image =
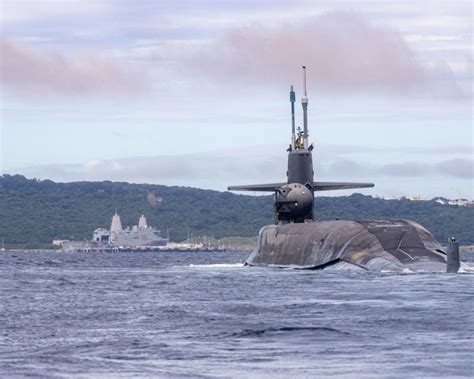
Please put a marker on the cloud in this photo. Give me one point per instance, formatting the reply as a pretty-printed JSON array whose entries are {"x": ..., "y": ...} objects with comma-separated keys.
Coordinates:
[
  {"x": 33, "y": 73},
  {"x": 342, "y": 49},
  {"x": 206, "y": 170},
  {"x": 217, "y": 170},
  {"x": 28, "y": 10},
  {"x": 459, "y": 168},
  {"x": 454, "y": 168}
]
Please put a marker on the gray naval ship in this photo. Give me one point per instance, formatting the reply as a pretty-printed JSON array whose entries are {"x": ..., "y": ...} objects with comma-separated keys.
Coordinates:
[
  {"x": 298, "y": 240},
  {"x": 137, "y": 236}
]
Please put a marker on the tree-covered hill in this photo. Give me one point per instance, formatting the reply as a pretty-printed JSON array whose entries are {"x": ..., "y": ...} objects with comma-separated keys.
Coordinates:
[{"x": 33, "y": 212}]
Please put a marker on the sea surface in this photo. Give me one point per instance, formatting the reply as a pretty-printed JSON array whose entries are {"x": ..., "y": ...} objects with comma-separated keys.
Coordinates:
[{"x": 180, "y": 315}]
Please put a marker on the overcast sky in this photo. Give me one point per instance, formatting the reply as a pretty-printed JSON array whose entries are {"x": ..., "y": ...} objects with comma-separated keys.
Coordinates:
[{"x": 196, "y": 92}]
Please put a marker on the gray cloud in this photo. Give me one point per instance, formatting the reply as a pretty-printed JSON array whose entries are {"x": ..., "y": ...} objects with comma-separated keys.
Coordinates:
[
  {"x": 459, "y": 168},
  {"x": 33, "y": 73},
  {"x": 447, "y": 150},
  {"x": 217, "y": 170},
  {"x": 406, "y": 169},
  {"x": 341, "y": 48},
  {"x": 455, "y": 168},
  {"x": 344, "y": 168},
  {"x": 206, "y": 170}
]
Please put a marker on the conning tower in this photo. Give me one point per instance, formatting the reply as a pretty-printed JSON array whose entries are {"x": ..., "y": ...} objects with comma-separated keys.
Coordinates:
[{"x": 294, "y": 199}]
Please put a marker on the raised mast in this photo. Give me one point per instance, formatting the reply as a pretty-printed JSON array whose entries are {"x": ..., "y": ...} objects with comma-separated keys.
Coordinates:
[
  {"x": 293, "y": 131},
  {"x": 304, "y": 103}
]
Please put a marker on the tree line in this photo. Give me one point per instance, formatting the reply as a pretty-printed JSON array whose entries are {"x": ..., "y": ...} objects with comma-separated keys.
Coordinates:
[{"x": 34, "y": 212}]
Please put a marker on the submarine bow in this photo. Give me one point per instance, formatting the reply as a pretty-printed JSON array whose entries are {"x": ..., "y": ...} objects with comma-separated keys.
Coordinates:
[{"x": 381, "y": 245}]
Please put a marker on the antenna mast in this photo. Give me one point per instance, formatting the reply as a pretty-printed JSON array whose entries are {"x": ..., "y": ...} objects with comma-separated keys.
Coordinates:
[
  {"x": 304, "y": 103},
  {"x": 293, "y": 132}
]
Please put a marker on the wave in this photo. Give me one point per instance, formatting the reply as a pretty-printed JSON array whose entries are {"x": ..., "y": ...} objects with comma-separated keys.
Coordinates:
[
  {"x": 466, "y": 268},
  {"x": 289, "y": 329}
]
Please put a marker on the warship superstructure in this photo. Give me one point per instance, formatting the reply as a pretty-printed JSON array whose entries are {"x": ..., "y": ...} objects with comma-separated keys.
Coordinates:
[
  {"x": 299, "y": 240},
  {"x": 138, "y": 237},
  {"x": 134, "y": 237}
]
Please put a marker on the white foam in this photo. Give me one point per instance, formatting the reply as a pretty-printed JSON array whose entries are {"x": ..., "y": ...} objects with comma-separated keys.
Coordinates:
[
  {"x": 405, "y": 270},
  {"x": 466, "y": 268},
  {"x": 218, "y": 265}
]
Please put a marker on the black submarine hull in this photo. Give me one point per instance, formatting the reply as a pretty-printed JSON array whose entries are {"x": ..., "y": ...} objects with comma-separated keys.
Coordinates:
[{"x": 375, "y": 245}]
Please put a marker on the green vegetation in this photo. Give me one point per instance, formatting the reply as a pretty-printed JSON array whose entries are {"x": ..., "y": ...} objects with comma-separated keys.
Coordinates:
[{"x": 34, "y": 212}]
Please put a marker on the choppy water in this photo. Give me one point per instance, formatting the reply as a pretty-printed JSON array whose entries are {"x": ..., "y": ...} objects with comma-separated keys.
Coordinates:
[{"x": 204, "y": 315}]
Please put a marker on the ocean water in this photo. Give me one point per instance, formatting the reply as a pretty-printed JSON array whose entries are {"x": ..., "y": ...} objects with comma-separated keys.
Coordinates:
[{"x": 179, "y": 315}]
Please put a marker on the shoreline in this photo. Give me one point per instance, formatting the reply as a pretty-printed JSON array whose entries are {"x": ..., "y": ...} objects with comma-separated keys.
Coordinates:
[
  {"x": 466, "y": 249},
  {"x": 34, "y": 251}
]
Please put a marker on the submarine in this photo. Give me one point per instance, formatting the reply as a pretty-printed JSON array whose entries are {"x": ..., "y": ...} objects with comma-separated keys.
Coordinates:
[{"x": 298, "y": 240}]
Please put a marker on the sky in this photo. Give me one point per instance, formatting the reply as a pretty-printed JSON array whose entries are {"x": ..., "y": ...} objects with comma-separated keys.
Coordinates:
[{"x": 195, "y": 93}]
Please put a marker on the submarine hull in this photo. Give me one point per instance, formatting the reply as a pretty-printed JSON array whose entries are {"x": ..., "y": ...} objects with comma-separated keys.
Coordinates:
[{"x": 376, "y": 245}]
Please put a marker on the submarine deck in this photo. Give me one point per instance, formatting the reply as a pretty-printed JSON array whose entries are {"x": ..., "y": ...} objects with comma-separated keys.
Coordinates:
[{"x": 367, "y": 244}]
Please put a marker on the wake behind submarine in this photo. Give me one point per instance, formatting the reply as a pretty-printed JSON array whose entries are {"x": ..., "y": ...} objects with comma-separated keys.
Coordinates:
[{"x": 298, "y": 240}]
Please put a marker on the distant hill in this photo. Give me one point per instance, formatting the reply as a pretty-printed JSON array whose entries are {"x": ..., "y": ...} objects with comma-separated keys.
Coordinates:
[{"x": 34, "y": 212}]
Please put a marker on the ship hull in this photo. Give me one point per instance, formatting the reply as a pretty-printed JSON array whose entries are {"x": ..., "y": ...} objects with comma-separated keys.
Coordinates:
[{"x": 375, "y": 245}]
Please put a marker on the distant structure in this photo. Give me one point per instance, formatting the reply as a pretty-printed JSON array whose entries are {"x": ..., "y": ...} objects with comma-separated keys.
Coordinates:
[
  {"x": 457, "y": 202},
  {"x": 116, "y": 223},
  {"x": 439, "y": 200},
  {"x": 142, "y": 222},
  {"x": 137, "y": 237}
]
